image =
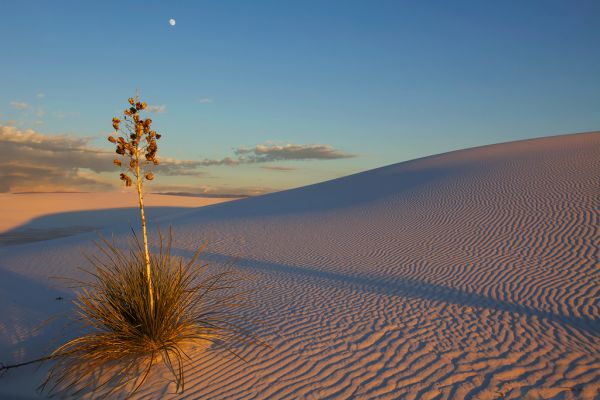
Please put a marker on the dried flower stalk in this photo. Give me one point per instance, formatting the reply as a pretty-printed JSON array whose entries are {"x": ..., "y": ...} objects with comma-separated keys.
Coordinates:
[{"x": 136, "y": 142}]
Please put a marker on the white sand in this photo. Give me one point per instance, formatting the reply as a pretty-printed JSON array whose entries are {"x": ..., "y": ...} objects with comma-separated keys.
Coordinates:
[
  {"x": 467, "y": 275},
  {"x": 30, "y": 217}
]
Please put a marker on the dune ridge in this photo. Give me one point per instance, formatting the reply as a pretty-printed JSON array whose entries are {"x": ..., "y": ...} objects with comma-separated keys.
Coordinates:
[{"x": 471, "y": 275}]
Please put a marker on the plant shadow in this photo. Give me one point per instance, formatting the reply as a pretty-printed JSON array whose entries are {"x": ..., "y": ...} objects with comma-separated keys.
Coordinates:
[{"x": 414, "y": 289}]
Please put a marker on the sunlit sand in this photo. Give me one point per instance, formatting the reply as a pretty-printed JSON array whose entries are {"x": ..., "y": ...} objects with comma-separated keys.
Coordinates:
[{"x": 31, "y": 217}]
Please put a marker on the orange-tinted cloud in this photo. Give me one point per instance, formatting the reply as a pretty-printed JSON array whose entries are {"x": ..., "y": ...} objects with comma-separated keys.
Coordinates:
[{"x": 32, "y": 161}]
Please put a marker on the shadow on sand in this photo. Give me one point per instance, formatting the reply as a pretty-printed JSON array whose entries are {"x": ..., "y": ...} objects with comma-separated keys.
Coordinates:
[
  {"x": 411, "y": 288},
  {"x": 65, "y": 224}
]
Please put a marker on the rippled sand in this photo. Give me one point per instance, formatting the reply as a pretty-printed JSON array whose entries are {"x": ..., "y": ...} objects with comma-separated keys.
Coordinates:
[{"x": 468, "y": 275}]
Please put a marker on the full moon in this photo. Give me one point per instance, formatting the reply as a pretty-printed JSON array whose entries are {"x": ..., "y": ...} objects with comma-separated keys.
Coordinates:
[{"x": 172, "y": 22}]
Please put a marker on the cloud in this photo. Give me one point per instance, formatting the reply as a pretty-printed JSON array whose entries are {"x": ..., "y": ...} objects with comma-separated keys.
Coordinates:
[
  {"x": 205, "y": 100},
  {"x": 224, "y": 161},
  {"x": 19, "y": 105},
  {"x": 269, "y": 152},
  {"x": 278, "y": 168},
  {"x": 31, "y": 161},
  {"x": 213, "y": 190},
  {"x": 40, "y": 95},
  {"x": 173, "y": 167},
  {"x": 17, "y": 177},
  {"x": 157, "y": 109},
  {"x": 272, "y": 152}
]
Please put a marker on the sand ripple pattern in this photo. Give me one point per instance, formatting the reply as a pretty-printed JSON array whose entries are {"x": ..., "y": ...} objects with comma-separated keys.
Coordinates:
[{"x": 468, "y": 275}]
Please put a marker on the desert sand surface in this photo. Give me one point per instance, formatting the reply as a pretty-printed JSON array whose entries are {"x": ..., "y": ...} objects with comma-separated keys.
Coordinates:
[
  {"x": 467, "y": 275},
  {"x": 30, "y": 217}
]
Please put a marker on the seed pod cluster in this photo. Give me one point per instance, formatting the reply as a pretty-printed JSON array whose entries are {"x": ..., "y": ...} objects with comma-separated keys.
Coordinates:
[
  {"x": 135, "y": 139},
  {"x": 126, "y": 179}
]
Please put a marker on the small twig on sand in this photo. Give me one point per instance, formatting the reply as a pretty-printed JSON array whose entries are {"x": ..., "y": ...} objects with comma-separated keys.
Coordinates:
[{"x": 4, "y": 368}]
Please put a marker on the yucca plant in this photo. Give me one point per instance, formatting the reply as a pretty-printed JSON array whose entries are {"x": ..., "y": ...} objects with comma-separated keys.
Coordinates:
[
  {"x": 134, "y": 139},
  {"x": 138, "y": 310},
  {"x": 123, "y": 338}
]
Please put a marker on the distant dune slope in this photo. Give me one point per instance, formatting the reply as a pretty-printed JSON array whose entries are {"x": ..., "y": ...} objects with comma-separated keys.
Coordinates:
[
  {"x": 20, "y": 211},
  {"x": 473, "y": 274}
]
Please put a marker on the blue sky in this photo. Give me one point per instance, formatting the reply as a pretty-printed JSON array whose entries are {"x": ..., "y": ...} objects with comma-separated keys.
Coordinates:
[{"x": 381, "y": 81}]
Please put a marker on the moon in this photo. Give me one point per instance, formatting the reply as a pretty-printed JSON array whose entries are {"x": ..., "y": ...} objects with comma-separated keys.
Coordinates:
[{"x": 172, "y": 22}]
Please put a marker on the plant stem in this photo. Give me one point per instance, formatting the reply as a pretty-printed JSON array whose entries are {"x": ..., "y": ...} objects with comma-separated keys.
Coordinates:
[
  {"x": 4, "y": 368},
  {"x": 138, "y": 179}
]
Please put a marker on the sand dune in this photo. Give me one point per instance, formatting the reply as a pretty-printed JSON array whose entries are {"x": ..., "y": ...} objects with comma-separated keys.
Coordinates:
[
  {"x": 32, "y": 217},
  {"x": 468, "y": 275}
]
